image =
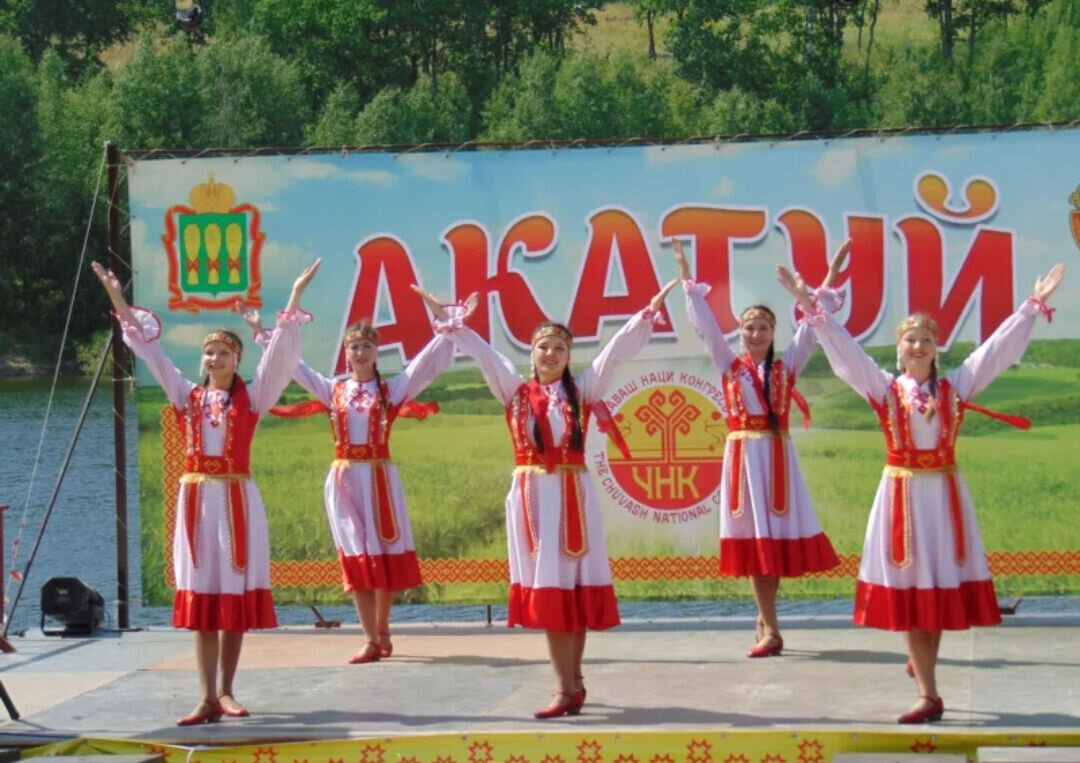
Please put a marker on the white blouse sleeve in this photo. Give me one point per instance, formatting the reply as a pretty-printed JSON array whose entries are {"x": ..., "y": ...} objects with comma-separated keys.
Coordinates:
[
  {"x": 704, "y": 322},
  {"x": 850, "y": 362},
  {"x": 422, "y": 369},
  {"x": 143, "y": 341},
  {"x": 804, "y": 342},
  {"x": 499, "y": 372},
  {"x": 627, "y": 342},
  {"x": 306, "y": 376},
  {"x": 279, "y": 362},
  {"x": 1004, "y": 348}
]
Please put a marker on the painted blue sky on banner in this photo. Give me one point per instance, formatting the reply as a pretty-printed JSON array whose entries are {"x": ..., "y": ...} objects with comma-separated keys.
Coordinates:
[{"x": 326, "y": 204}]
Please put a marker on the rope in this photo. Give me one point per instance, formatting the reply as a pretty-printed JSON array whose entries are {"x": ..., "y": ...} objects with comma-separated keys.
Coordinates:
[{"x": 52, "y": 390}]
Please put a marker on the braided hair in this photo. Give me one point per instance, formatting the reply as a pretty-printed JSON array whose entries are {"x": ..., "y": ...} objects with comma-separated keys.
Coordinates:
[
  {"x": 774, "y": 422},
  {"x": 577, "y": 436}
]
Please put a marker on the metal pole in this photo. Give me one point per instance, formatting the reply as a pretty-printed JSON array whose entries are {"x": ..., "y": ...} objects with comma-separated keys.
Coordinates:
[
  {"x": 119, "y": 358},
  {"x": 59, "y": 482},
  {"x": 5, "y": 645}
]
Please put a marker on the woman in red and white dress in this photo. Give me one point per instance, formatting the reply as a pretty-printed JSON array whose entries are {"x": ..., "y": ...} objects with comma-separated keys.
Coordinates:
[
  {"x": 560, "y": 579},
  {"x": 221, "y": 547},
  {"x": 923, "y": 569},
  {"x": 768, "y": 527},
  {"x": 365, "y": 500}
]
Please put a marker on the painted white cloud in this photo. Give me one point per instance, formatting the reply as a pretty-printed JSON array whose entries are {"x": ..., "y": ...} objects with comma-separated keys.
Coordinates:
[
  {"x": 956, "y": 151},
  {"x": 160, "y": 184},
  {"x": 879, "y": 147},
  {"x": 835, "y": 166},
  {"x": 285, "y": 258},
  {"x": 438, "y": 167},
  {"x": 188, "y": 335},
  {"x": 724, "y": 188},
  {"x": 372, "y": 177},
  {"x": 667, "y": 154}
]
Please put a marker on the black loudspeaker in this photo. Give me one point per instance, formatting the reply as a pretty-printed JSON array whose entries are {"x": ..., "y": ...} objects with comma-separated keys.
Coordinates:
[{"x": 75, "y": 604}]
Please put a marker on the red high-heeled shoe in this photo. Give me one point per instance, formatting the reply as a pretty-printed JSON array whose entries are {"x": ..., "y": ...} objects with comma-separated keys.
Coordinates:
[
  {"x": 771, "y": 648},
  {"x": 213, "y": 715},
  {"x": 927, "y": 714},
  {"x": 233, "y": 712},
  {"x": 910, "y": 668},
  {"x": 370, "y": 653},
  {"x": 385, "y": 651},
  {"x": 566, "y": 703}
]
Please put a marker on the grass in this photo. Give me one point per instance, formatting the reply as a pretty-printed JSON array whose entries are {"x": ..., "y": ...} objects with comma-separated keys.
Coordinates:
[
  {"x": 455, "y": 467},
  {"x": 617, "y": 30}
]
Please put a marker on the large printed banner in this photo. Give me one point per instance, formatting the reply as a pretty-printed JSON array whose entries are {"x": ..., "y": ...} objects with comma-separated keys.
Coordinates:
[{"x": 955, "y": 225}]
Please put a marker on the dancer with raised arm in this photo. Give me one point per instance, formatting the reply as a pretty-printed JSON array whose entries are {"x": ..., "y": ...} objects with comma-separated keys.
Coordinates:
[
  {"x": 768, "y": 528},
  {"x": 364, "y": 497},
  {"x": 560, "y": 579},
  {"x": 221, "y": 547},
  {"x": 923, "y": 568}
]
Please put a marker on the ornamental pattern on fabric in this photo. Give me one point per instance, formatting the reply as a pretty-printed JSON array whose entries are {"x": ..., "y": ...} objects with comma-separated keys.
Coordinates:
[{"x": 637, "y": 746}]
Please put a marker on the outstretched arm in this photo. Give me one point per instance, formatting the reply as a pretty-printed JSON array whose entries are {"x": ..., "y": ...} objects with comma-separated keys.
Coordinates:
[
  {"x": 848, "y": 359},
  {"x": 802, "y": 345},
  {"x": 1007, "y": 345},
  {"x": 499, "y": 373},
  {"x": 279, "y": 362},
  {"x": 627, "y": 342},
  {"x": 307, "y": 377},
  {"x": 701, "y": 317},
  {"x": 140, "y": 330},
  {"x": 437, "y": 354}
]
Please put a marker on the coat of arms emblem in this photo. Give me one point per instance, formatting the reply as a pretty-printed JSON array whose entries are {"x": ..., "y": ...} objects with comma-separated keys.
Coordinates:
[{"x": 213, "y": 246}]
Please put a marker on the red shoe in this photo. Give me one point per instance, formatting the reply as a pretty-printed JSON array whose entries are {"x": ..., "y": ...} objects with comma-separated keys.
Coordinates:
[
  {"x": 385, "y": 651},
  {"x": 238, "y": 711},
  {"x": 771, "y": 648},
  {"x": 928, "y": 714},
  {"x": 213, "y": 715},
  {"x": 910, "y": 668},
  {"x": 566, "y": 703},
  {"x": 370, "y": 653}
]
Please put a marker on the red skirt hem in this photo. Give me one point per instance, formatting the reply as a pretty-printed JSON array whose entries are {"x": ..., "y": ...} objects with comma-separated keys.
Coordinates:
[
  {"x": 235, "y": 612},
  {"x": 784, "y": 557},
  {"x": 929, "y": 609},
  {"x": 384, "y": 572},
  {"x": 569, "y": 610}
]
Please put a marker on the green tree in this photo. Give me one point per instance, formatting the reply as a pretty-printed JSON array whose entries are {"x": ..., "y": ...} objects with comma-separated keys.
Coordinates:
[
  {"x": 78, "y": 30},
  {"x": 417, "y": 115},
  {"x": 21, "y": 152},
  {"x": 336, "y": 123}
]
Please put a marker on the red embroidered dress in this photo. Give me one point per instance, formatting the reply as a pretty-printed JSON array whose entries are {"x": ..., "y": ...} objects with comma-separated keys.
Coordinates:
[
  {"x": 221, "y": 546},
  {"x": 364, "y": 497},
  {"x": 560, "y": 578},
  {"x": 767, "y": 522},
  {"x": 923, "y": 564}
]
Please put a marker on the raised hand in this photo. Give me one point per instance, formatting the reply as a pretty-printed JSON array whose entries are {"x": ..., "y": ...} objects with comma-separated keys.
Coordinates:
[
  {"x": 300, "y": 284},
  {"x": 433, "y": 302},
  {"x": 252, "y": 318},
  {"x": 796, "y": 286},
  {"x": 658, "y": 301},
  {"x": 837, "y": 264},
  {"x": 115, "y": 291},
  {"x": 471, "y": 303},
  {"x": 680, "y": 257},
  {"x": 1045, "y": 285}
]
